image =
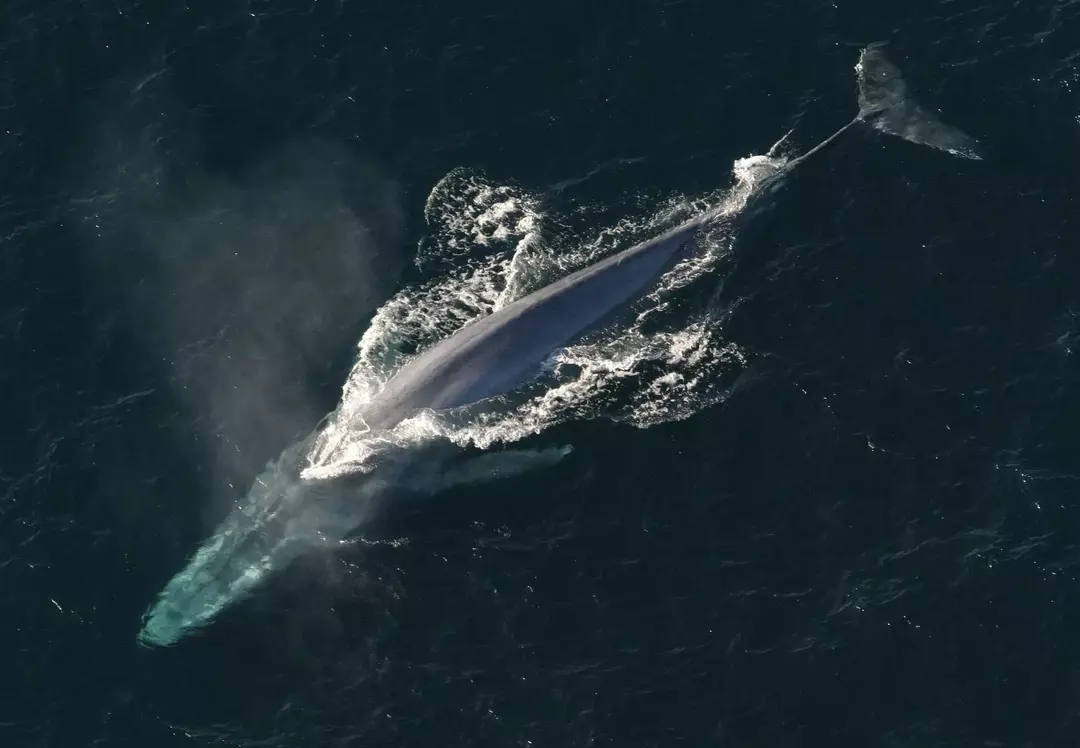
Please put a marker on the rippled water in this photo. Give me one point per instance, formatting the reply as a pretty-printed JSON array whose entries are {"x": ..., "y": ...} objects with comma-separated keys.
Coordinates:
[{"x": 827, "y": 497}]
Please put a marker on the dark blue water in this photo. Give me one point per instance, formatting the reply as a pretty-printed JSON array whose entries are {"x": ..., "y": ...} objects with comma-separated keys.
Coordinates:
[{"x": 872, "y": 542}]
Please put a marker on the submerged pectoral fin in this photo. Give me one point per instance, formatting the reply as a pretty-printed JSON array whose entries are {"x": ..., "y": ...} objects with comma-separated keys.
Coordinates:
[{"x": 496, "y": 465}]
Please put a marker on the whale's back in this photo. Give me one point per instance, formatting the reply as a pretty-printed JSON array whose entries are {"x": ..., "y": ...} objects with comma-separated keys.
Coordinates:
[{"x": 502, "y": 351}]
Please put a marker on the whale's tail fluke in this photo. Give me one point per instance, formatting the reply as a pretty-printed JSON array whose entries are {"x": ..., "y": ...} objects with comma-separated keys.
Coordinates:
[{"x": 886, "y": 105}]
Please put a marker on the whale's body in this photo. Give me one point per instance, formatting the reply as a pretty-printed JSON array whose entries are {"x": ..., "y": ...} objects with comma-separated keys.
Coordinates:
[
  {"x": 503, "y": 350},
  {"x": 283, "y": 513}
]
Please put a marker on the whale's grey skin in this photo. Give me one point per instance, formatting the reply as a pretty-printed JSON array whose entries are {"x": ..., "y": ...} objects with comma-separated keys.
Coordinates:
[{"x": 502, "y": 351}]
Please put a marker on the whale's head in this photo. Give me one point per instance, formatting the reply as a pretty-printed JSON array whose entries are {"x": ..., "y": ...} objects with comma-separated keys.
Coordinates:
[{"x": 263, "y": 533}]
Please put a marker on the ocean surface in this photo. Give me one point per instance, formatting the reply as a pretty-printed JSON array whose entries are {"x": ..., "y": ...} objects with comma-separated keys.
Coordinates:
[{"x": 831, "y": 497}]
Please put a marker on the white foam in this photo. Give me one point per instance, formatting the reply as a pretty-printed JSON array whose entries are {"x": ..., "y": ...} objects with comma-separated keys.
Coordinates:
[{"x": 493, "y": 239}]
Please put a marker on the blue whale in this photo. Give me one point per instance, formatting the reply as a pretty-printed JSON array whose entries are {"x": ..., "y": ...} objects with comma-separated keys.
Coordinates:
[{"x": 284, "y": 514}]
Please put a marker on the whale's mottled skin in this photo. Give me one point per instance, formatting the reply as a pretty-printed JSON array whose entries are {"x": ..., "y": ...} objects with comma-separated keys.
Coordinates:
[{"x": 502, "y": 351}]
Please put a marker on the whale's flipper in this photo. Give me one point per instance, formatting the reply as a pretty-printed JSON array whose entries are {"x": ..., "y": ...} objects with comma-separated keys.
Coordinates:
[
  {"x": 505, "y": 464},
  {"x": 885, "y": 104}
]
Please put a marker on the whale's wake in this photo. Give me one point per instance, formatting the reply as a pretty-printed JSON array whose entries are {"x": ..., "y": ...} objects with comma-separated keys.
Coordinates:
[
  {"x": 668, "y": 355},
  {"x": 488, "y": 245}
]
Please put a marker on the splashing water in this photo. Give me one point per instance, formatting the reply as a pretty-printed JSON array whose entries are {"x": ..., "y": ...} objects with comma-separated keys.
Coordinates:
[{"x": 499, "y": 238}]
